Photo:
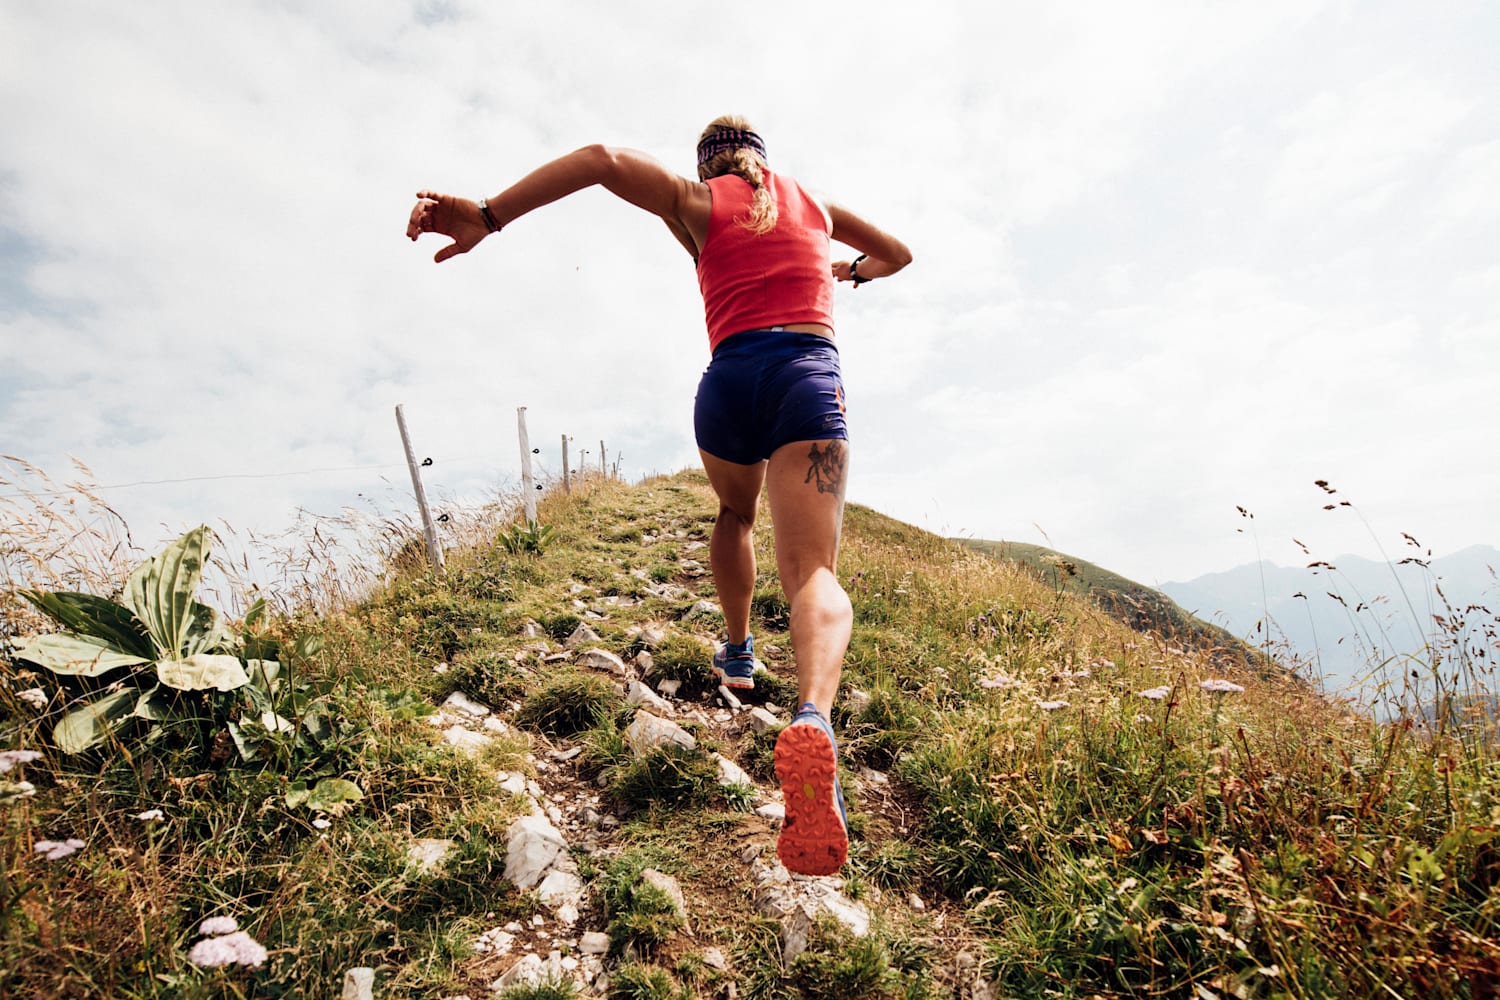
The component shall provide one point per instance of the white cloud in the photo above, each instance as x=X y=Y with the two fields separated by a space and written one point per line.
x=1120 y=321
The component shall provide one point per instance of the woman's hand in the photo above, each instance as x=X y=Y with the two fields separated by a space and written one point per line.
x=450 y=216
x=841 y=271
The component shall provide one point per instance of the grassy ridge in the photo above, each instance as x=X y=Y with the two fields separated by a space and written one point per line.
x=1142 y=608
x=1079 y=815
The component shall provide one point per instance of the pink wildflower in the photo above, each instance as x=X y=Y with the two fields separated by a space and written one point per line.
x=219 y=925
x=1156 y=693
x=1051 y=706
x=238 y=948
x=10 y=758
x=54 y=850
x=1217 y=686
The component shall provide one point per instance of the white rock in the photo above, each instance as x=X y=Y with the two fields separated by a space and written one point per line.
x=668 y=885
x=798 y=924
x=714 y=959
x=669 y=686
x=460 y=702
x=639 y=694
x=532 y=630
x=466 y=740
x=495 y=942
x=560 y=888
x=526 y=972
x=567 y=914
x=563 y=756
x=795 y=929
x=582 y=636
x=849 y=913
x=534 y=848
x=594 y=943
x=647 y=731
x=858 y=701
x=731 y=773
x=733 y=702
x=915 y=902
x=427 y=853
x=494 y=725
x=359 y=984
x=645 y=663
x=704 y=608
x=603 y=659
x=759 y=720
x=653 y=636
x=773 y=811
x=873 y=776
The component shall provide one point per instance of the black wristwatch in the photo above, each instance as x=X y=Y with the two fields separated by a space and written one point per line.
x=854 y=271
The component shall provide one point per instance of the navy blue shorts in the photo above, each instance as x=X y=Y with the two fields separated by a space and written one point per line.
x=767 y=388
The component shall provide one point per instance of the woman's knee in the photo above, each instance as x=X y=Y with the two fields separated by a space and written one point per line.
x=740 y=520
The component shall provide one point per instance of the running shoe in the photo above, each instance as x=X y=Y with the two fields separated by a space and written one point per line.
x=815 y=838
x=734 y=664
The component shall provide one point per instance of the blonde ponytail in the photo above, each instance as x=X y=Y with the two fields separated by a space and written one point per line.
x=745 y=163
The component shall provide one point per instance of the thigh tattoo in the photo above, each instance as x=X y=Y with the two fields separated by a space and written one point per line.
x=826 y=468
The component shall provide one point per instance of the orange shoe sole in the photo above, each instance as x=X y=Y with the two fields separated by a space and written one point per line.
x=813 y=840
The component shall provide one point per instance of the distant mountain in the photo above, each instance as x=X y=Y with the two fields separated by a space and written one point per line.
x=1137 y=605
x=1353 y=622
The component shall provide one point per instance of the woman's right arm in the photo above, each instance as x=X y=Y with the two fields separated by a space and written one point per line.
x=629 y=174
x=884 y=255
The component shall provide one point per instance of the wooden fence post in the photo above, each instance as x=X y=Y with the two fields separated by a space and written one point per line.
x=429 y=530
x=528 y=486
x=567 y=486
x=603 y=469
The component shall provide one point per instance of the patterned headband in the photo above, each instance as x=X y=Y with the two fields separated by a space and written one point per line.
x=729 y=138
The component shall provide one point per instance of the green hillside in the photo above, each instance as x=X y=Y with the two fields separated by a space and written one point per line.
x=1138 y=606
x=1043 y=801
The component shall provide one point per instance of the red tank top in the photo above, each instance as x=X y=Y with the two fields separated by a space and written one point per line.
x=752 y=281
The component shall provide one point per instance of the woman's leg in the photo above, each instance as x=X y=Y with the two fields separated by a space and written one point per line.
x=732 y=549
x=806 y=485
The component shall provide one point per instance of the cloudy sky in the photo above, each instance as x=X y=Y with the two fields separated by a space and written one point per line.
x=1171 y=258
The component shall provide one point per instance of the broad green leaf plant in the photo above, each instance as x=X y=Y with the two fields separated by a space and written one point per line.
x=157 y=641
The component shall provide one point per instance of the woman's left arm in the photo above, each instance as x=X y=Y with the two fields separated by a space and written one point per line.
x=629 y=174
x=884 y=255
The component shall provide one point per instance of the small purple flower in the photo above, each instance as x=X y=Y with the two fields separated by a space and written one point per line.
x=1217 y=686
x=35 y=697
x=1051 y=706
x=219 y=925
x=54 y=850
x=10 y=758
x=237 y=948
x=999 y=681
x=1156 y=693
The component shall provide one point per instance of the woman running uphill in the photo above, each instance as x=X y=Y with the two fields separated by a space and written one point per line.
x=769 y=410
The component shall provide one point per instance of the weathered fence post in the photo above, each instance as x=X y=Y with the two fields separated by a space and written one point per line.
x=567 y=486
x=429 y=530
x=528 y=486
x=603 y=469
